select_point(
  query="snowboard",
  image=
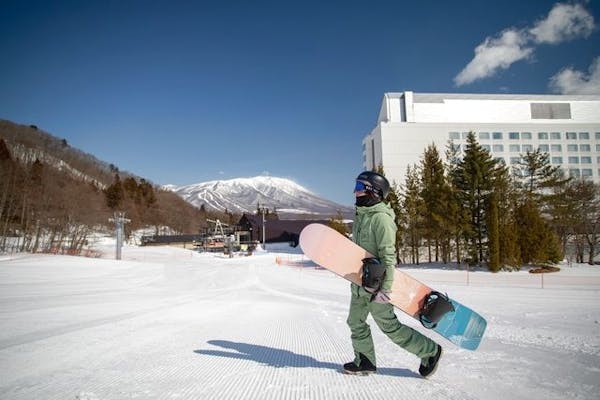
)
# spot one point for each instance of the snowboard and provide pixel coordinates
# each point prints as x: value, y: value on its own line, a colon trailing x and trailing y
x: 333, y: 251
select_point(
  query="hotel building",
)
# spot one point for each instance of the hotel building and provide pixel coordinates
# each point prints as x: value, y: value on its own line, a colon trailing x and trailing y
x: 565, y: 126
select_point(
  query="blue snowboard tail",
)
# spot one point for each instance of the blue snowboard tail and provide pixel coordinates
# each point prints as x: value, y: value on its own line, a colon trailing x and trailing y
x: 463, y: 327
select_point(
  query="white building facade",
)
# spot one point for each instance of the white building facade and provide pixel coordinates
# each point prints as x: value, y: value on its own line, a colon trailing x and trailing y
x: 565, y: 126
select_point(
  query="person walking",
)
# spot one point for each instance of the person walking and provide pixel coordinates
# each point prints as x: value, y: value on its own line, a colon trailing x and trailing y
x: 374, y: 230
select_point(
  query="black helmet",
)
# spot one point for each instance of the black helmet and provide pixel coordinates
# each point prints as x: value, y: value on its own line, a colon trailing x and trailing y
x: 379, y: 183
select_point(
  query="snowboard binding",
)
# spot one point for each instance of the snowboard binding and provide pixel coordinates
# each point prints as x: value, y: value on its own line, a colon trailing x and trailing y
x: 435, y: 306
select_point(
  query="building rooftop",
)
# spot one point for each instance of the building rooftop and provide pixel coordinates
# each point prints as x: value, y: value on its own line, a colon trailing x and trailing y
x: 440, y: 97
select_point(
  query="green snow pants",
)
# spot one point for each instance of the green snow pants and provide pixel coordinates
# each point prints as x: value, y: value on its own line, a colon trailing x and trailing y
x: 383, y: 314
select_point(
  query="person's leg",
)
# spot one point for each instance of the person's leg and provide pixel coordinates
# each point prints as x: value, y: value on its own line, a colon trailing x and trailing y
x: 404, y: 336
x: 362, y: 341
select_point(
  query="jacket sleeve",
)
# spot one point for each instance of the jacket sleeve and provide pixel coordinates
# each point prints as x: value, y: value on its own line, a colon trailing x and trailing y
x: 384, y: 230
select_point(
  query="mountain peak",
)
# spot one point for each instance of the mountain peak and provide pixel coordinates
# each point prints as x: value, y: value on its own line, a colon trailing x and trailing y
x: 243, y: 195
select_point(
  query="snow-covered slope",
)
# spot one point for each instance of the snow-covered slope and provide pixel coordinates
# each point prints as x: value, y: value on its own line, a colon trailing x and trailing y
x: 168, y: 323
x: 244, y: 194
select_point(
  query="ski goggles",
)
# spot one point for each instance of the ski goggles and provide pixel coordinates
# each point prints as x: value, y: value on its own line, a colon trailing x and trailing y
x: 362, y: 187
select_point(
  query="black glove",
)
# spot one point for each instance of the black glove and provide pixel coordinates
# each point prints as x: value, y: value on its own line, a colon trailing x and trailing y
x: 373, y: 273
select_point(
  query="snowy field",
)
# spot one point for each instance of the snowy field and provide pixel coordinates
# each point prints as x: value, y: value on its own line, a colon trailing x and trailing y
x: 168, y: 323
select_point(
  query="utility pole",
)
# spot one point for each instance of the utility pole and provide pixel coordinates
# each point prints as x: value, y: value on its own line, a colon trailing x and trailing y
x: 120, y: 221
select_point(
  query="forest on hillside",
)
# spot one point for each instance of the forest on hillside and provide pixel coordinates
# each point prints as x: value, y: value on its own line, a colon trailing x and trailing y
x: 472, y: 208
x: 53, y: 197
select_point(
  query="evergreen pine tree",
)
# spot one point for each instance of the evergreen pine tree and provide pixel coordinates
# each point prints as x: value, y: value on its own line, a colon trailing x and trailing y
x: 413, y: 208
x: 395, y: 203
x: 507, y: 200
x: 538, y: 243
x: 4, y: 151
x: 563, y: 209
x: 474, y: 177
x: 493, y: 234
x: 433, y: 191
x: 457, y: 216
x: 543, y: 188
x: 114, y: 194
x: 535, y: 174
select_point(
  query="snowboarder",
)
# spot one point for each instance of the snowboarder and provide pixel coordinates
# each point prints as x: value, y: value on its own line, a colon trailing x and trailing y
x: 374, y: 230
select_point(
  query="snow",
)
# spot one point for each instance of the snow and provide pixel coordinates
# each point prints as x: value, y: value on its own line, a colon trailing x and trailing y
x: 167, y: 323
x: 242, y: 195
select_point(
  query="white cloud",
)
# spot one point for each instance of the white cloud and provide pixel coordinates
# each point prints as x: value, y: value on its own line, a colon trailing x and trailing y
x: 564, y: 22
x: 571, y: 81
x: 495, y: 54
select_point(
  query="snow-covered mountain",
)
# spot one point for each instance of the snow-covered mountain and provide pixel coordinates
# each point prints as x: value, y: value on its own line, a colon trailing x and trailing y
x: 242, y: 195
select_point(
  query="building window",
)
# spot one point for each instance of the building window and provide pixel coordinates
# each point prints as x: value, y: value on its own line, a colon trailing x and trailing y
x: 584, y: 136
x: 487, y: 147
x: 572, y: 148
x: 498, y: 148
x: 597, y: 135
x: 555, y: 135
x: 598, y: 147
x: 465, y: 135
x: 543, y: 135
x: 513, y: 135
x: 484, y: 135
x: 571, y: 135
x: 497, y: 135
x: 557, y: 160
x: 514, y: 148
x: 527, y: 147
x: 573, y: 160
x: 586, y: 160
x: 585, y: 147
x: 544, y: 147
x: 556, y: 147
x: 574, y: 173
x: 454, y: 135
x: 586, y: 173
x: 515, y: 160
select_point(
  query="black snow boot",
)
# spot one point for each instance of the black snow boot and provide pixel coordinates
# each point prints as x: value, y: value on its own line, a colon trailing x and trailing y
x: 364, y: 368
x: 429, y: 364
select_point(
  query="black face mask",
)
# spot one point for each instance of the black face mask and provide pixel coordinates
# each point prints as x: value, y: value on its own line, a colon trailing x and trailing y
x: 367, y: 201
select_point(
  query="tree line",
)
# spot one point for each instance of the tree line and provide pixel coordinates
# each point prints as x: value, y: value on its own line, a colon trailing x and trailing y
x: 48, y: 209
x: 472, y: 208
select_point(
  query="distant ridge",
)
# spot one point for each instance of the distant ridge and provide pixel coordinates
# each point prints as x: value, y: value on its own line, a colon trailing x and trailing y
x: 242, y: 195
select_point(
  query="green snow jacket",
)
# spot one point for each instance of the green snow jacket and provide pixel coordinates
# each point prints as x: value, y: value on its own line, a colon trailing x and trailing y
x: 374, y: 230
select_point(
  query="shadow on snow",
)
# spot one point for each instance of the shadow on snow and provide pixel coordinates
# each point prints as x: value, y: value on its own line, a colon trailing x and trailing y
x: 279, y: 358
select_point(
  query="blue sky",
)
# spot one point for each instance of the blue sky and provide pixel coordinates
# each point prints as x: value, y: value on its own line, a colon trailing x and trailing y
x: 181, y: 92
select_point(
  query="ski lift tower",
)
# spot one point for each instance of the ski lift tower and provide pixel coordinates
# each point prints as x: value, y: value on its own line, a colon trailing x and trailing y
x: 218, y: 227
x: 120, y: 221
